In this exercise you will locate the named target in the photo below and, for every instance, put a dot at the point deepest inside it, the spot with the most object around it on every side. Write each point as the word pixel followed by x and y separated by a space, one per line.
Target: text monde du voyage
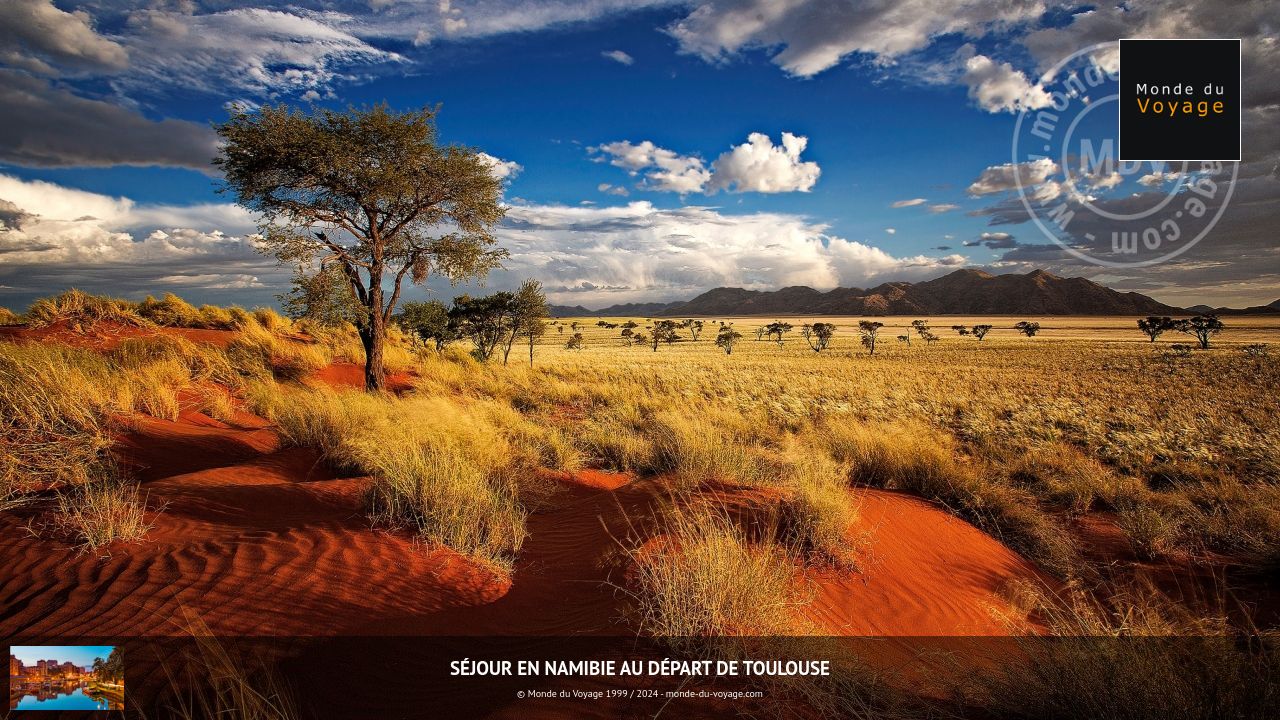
pixel 1180 99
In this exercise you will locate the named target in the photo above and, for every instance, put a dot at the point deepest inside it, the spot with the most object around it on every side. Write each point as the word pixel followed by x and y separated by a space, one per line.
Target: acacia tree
pixel 869 330
pixel 531 314
pixel 429 321
pixel 1026 327
pixel 663 331
pixel 1154 326
pixel 980 331
pixel 1203 327
pixel 921 327
pixel 818 335
pixel 726 338
pixel 369 191
pixel 487 321
pixel 776 330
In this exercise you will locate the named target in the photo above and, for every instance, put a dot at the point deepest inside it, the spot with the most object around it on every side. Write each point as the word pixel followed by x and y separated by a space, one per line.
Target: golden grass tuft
pixel 705 577
pixel 103 511
pixel 82 311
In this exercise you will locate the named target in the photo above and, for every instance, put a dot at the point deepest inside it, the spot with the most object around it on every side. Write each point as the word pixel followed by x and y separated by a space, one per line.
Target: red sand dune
pixel 351 375
pixel 107 335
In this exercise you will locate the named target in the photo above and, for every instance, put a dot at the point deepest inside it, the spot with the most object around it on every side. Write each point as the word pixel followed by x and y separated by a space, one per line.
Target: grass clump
pixel 1134 656
pixel 9 317
pixel 82 311
pixel 706 579
pixel 443 469
pixel 918 459
pixel 105 510
pixel 260 354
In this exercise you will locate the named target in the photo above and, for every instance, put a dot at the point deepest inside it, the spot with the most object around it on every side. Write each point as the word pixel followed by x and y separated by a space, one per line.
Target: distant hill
pixel 1270 309
pixel 963 292
pixel 624 310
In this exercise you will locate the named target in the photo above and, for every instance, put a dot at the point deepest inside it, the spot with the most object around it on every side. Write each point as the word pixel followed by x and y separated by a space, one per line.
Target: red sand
pixel 351 375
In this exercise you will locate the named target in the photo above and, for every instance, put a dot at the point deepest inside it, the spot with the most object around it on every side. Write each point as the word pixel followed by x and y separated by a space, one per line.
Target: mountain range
pixel 963 292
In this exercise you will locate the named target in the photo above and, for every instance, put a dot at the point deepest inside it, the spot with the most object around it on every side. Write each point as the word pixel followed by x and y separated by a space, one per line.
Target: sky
pixel 651 150
pixel 79 655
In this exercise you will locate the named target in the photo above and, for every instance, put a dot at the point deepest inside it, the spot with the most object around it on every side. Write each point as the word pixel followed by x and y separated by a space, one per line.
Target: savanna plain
pixel 1106 505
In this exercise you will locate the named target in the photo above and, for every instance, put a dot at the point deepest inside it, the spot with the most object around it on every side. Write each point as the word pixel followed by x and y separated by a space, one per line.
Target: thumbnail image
pixel 66 677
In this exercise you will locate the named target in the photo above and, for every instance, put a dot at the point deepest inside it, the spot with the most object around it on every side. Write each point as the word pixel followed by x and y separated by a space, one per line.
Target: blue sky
pixel 80 655
pixel 897 109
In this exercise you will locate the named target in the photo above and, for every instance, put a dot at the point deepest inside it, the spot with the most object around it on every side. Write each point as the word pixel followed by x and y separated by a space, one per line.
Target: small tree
pixel 760 333
pixel 574 342
pixel 930 338
pixel 639 338
pixel 429 321
pixel 369 191
pixel 818 335
pixel 726 338
pixel 528 317
pixel 921 327
pixel 487 321
pixel 663 331
pixel 1027 328
pixel 1203 327
pixel 323 297
pixel 695 329
pixel 776 330
pixel 980 331
pixel 1154 326
pixel 869 330
pixel 960 330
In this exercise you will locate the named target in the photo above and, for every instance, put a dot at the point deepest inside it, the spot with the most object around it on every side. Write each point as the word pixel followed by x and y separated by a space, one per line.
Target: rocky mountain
pixel 623 310
pixel 963 292
pixel 1270 309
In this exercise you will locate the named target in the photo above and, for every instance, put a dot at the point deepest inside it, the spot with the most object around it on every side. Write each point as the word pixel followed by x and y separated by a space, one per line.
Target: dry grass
pixel 705 578
pixel 9 317
pixel 101 512
pixel 1136 655
pixel 444 469
pixel 82 311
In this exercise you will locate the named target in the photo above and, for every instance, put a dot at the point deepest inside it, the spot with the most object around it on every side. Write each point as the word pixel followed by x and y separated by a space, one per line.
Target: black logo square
pixel 1179 100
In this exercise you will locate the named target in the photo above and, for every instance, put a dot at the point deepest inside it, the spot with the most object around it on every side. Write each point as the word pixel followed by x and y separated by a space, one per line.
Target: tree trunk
pixel 374 336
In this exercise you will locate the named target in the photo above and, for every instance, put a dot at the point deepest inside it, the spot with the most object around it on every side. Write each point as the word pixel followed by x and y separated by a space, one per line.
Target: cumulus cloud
pixel 1002 178
pixel 809 37
pixel 760 166
pixel 754 166
pixel 907 203
pixel 502 169
pixel 639 252
pixel 998 87
pixel 610 189
pixel 100 243
pixel 660 168
pixel 50 127
pixel 997 240
pixel 619 56
pixel 35 35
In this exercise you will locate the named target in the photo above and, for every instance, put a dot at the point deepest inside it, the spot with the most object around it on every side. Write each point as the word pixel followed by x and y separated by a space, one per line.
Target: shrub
pixel 9 317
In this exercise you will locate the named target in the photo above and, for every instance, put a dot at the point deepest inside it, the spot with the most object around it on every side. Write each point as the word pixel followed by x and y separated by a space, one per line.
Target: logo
pixel 1072 185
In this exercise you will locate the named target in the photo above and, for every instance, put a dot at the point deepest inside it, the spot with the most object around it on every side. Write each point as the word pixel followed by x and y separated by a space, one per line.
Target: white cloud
pixel 252 50
pixel 997 87
pixel 35 33
pixel 112 244
pixel 754 166
pixel 639 252
pixel 891 231
pixel 1002 178
pixel 760 166
pixel 502 169
pixel 619 57
pixel 908 203
pixel 661 169
pixel 943 207
pixel 609 189
pixel 809 36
